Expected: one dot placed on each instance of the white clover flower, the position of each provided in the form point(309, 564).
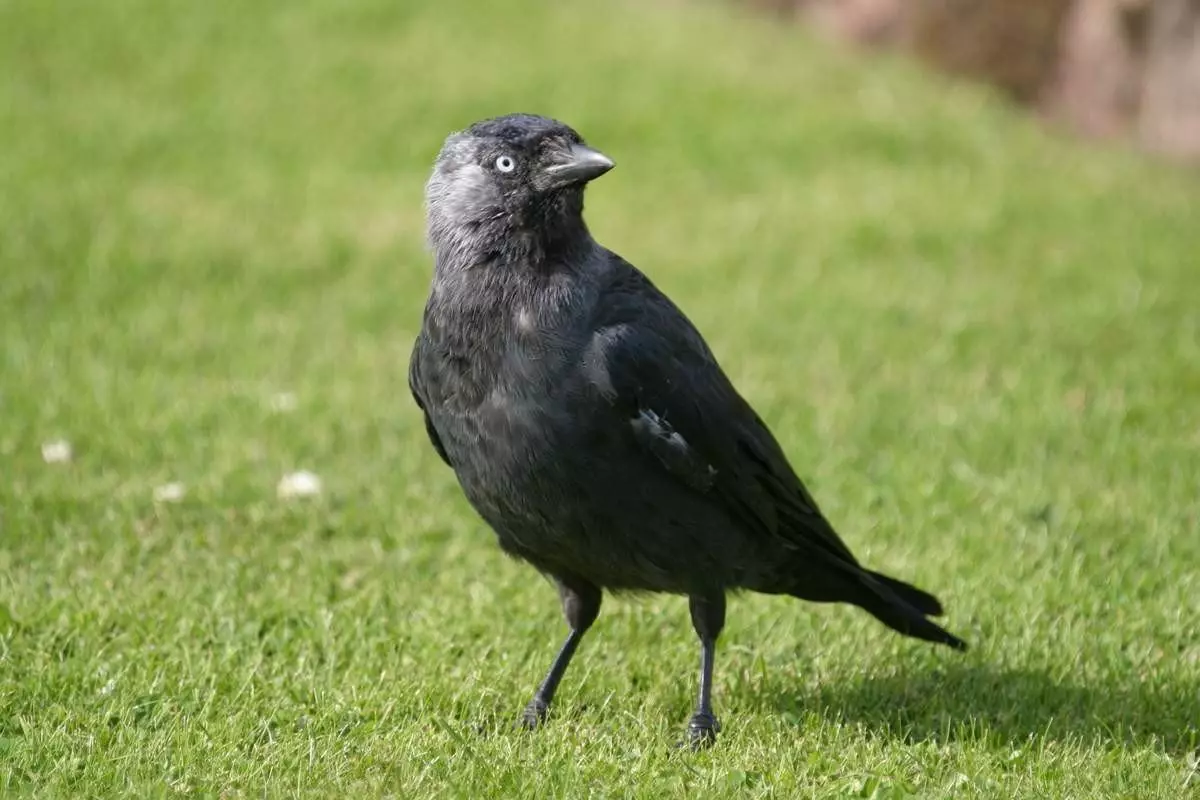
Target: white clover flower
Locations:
point(299, 484)
point(169, 492)
point(56, 452)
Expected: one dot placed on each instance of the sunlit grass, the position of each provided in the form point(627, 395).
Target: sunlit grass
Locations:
point(981, 348)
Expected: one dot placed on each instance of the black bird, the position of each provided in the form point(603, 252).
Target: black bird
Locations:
point(588, 422)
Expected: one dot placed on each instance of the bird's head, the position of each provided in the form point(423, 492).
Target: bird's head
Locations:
point(510, 187)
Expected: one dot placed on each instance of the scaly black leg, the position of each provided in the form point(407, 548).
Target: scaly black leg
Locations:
point(581, 606)
point(708, 618)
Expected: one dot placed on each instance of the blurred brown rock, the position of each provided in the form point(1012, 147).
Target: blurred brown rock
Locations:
point(871, 22)
point(1101, 68)
point(1169, 120)
point(1011, 44)
point(1097, 86)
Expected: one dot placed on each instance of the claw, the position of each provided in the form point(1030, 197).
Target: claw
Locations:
point(702, 732)
point(534, 715)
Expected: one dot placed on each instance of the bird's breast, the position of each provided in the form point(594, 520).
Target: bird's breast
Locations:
point(503, 411)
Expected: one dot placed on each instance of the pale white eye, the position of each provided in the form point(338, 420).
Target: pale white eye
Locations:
point(506, 164)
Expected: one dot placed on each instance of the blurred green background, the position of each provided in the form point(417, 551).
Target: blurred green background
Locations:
point(979, 344)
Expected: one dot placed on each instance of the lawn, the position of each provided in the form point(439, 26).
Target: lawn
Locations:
point(980, 345)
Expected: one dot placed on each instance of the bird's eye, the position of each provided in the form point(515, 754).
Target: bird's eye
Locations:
point(506, 164)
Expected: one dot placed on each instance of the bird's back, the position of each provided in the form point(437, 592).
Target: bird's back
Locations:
point(547, 448)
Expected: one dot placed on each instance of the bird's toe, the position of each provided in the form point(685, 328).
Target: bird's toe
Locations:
point(534, 715)
point(702, 731)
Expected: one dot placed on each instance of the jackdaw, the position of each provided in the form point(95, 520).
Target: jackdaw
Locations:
point(588, 422)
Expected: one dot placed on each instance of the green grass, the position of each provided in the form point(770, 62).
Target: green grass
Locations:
point(981, 347)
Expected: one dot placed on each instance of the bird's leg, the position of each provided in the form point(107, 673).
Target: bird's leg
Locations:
point(581, 606)
point(708, 618)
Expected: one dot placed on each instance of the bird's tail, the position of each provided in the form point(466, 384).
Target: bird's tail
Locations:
point(904, 609)
point(922, 601)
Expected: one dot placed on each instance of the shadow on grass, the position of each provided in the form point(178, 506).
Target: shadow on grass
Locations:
point(974, 701)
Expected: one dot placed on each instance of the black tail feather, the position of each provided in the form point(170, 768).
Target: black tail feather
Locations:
point(922, 601)
point(903, 608)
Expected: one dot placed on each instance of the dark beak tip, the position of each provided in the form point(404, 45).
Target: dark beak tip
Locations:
point(583, 164)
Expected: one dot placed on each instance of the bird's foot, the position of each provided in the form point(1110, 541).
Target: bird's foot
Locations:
point(534, 715)
point(702, 731)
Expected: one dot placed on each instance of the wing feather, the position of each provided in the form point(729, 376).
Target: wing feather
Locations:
point(654, 367)
point(415, 387)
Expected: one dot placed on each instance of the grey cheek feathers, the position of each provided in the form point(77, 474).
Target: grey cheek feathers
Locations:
point(460, 195)
point(457, 200)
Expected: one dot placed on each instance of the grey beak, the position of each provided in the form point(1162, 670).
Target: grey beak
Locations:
point(578, 165)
